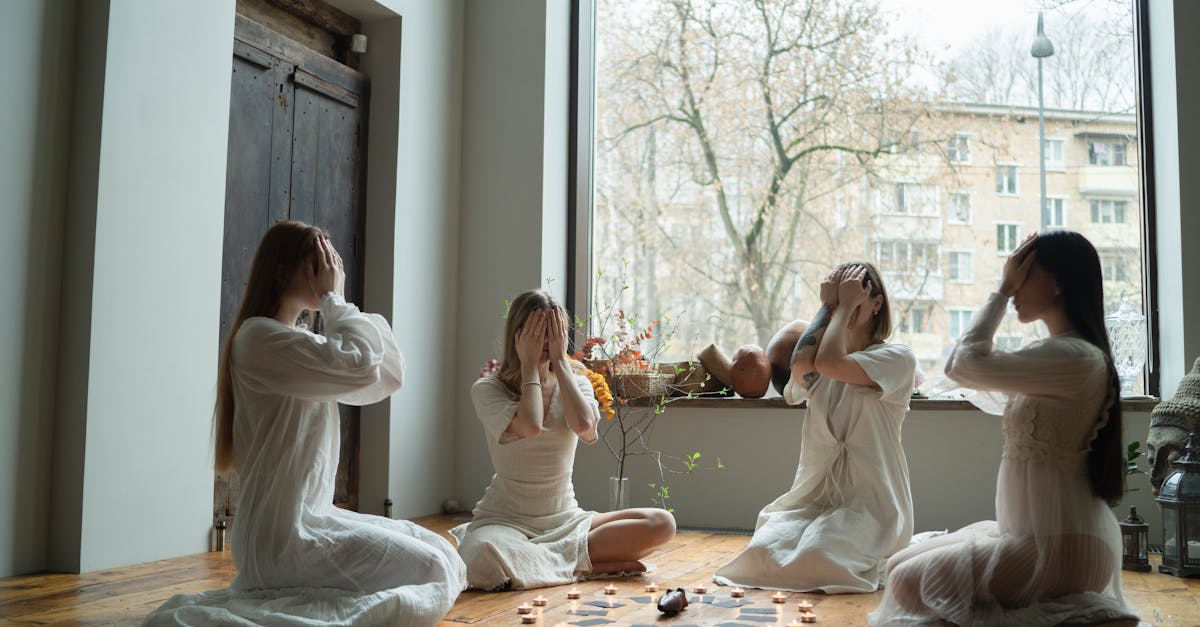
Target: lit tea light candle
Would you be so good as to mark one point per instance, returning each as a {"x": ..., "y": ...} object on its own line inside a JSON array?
[
  {"x": 795, "y": 623},
  {"x": 539, "y": 601},
  {"x": 574, "y": 593},
  {"x": 529, "y": 619},
  {"x": 610, "y": 589},
  {"x": 779, "y": 597},
  {"x": 524, "y": 608},
  {"x": 808, "y": 617},
  {"x": 651, "y": 587},
  {"x": 804, "y": 606},
  {"x": 700, "y": 588},
  {"x": 737, "y": 593}
]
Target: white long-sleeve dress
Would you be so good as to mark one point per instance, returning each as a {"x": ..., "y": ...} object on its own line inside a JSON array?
[
  {"x": 850, "y": 507},
  {"x": 528, "y": 530},
  {"x": 300, "y": 559},
  {"x": 1053, "y": 553}
]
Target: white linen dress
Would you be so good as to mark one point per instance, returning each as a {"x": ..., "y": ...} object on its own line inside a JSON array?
[
  {"x": 1053, "y": 553},
  {"x": 528, "y": 530},
  {"x": 850, "y": 507},
  {"x": 300, "y": 560}
]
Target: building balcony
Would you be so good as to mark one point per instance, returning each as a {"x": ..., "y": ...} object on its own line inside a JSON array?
[{"x": 1108, "y": 180}]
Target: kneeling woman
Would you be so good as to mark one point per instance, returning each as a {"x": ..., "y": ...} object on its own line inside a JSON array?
[
  {"x": 528, "y": 529},
  {"x": 850, "y": 507},
  {"x": 300, "y": 560}
]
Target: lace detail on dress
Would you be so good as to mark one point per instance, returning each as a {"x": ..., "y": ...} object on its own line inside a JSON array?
[{"x": 1043, "y": 453}]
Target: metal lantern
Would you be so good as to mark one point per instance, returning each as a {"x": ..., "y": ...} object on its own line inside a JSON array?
[
  {"x": 1179, "y": 498},
  {"x": 1127, "y": 332},
  {"x": 1135, "y": 538}
]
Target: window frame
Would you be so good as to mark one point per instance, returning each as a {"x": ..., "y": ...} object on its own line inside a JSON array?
[
  {"x": 1061, "y": 164},
  {"x": 1016, "y": 180},
  {"x": 970, "y": 278},
  {"x": 1016, "y": 238},
  {"x": 1063, "y": 223},
  {"x": 950, "y": 217},
  {"x": 580, "y": 169},
  {"x": 952, "y": 157}
]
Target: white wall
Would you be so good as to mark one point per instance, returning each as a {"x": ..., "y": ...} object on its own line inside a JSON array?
[
  {"x": 414, "y": 60},
  {"x": 1175, "y": 81},
  {"x": 136, "y": 398},
  {"x": 513, "y": 221},
  {"x": 35, "y": 126},
  {"x": 953, "y": 457}
]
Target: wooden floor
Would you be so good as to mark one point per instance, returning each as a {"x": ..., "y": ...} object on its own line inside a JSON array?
[{"x": 123, "y": 596}]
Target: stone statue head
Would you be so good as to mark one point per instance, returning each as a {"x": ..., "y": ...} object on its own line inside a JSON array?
[{"x": 1170, "y": 423}]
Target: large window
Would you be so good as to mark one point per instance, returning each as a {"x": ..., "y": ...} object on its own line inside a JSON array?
[{"x": 742, "y": 150}]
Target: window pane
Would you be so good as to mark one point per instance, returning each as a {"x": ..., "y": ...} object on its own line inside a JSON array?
[{"x": 741, "y": 154}]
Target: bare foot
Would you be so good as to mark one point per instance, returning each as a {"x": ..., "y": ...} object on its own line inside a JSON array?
[{"x": 608, "y": 568}]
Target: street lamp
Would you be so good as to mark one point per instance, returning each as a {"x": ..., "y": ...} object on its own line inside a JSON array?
[{"x": 1041, "y": 49}]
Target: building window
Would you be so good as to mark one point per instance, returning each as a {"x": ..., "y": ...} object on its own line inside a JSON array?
[
  {"x": 898, "y": 256},
  {"x": 1108, "y": 211},
  {"x": 960, "y": 266},
  {"x": 912, "y": 199},
  {"x": 914, "y": 318},
  {"x": 1054, "y": 214},
  {"x": 1006, "y": 180},
  {"x": 960, "y": 321},
  {"x": 1054, "y": 155},
  {"x": 958, "y": 210},
  {"x": 1106, "y": 153},
  {"x": 1006, "y": 238},
  {"x": 958, "y": 150},
  {"x": 1112, "y": 267}
]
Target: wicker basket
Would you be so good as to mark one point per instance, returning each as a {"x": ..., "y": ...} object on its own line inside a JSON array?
[{"x": 641, "y": 385}]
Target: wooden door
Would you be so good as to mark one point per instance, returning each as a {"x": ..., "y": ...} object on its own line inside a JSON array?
[{"x": 297, "y": 150}]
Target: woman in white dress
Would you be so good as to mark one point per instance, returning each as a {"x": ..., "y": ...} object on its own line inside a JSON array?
[
  {"x": 849, "y": 507},
  {"x": 1053, "y": 553},
  {"x": 299, "y": 558},
  {"x": 528, "y": 530}
]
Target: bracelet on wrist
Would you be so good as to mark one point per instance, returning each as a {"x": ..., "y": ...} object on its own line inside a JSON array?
[{"x": 537, "y": 383}]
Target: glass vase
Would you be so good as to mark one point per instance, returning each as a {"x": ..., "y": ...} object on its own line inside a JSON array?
[
  {"x": 1127, "y": 335},
  {"x": 618, "y": 493}
]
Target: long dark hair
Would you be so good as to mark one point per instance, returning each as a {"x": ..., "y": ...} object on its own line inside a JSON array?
[
  {"x": 285, "y": 246},
  {"x": 1073, "y": 261}
]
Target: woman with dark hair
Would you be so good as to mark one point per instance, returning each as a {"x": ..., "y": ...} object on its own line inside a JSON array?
[
  {"x": 1053, "y": 553},
  {"x": 300, "y": 559},
  {"x": 528, "y": 531},
  {"x": 849, "y": 508}
]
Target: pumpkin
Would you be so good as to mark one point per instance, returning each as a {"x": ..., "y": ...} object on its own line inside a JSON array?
[{"x": 751, "y": 371}]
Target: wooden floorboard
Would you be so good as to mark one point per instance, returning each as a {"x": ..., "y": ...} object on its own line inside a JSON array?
[{"x": 123, "y": 596}]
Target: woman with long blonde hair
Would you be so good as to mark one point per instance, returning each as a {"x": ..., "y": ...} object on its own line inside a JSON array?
[
  {"x": 528, "y": 530},
  {"x": 298, "y": 557},
  {"x": 850, "y": 507}
]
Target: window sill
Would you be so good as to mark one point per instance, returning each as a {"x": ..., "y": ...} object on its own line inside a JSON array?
[{"x": 917, "y": 404}]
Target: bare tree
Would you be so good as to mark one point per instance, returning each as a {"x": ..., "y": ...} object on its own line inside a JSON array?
[
  {"x": 766, "y": 118},
  {"x": 1091, "y": 70}
]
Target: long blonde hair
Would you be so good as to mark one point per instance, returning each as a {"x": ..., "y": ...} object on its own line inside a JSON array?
[
  {"x": 518, "y": 312},
  {"x": 283, "y": 248}
]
